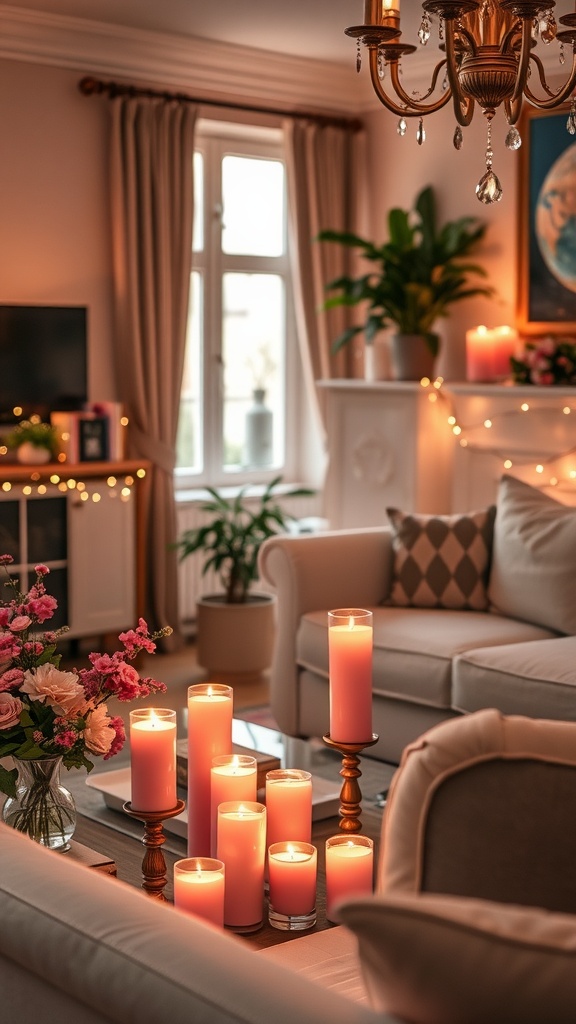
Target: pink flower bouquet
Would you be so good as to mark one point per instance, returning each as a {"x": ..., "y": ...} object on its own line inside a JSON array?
[
  {"x": 46, "y": 712},
  {"x": 545, "y": 362}
]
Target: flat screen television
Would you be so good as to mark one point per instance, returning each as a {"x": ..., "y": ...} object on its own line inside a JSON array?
[{"x": 43, "y": 359}]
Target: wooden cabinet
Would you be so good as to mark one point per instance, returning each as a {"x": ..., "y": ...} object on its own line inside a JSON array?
[{"x": 84, "y": 522}]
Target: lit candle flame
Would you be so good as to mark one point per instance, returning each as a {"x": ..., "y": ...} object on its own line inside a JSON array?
[
  {"x": 351, "y": 622},
  {"x": 153, "y": 718},
  {"x": 291, "y": 851}
]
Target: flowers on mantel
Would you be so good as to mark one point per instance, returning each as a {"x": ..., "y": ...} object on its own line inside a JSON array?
[
  {"x": 546, "y": 362},
  {"x": 47, "y": 712}
]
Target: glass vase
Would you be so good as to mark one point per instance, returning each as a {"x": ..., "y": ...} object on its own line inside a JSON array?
[{"x": 42, "y": 808}]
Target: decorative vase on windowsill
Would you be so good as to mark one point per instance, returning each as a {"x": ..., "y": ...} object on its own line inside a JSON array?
[{"x": 50, "y": 718}]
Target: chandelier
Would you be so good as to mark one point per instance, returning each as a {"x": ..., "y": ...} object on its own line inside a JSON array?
[{"x": 489, "y": 60}]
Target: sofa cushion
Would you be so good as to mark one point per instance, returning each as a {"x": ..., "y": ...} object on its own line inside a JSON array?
[
  {"x": 414, "y": 648},
  {"x": 454, "y": 960},
  {"x": 441, "y": 561},
  {"x": 535, "y": 678},
  {"x": 533, "y": 566}
]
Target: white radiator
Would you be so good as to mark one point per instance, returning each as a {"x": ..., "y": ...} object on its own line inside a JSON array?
[{"x": 191, "y": 583}]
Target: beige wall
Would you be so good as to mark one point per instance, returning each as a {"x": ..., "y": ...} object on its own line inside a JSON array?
[
  {"x": 54, "y": 210},
  {"x": 53, "y": 202},
  {"x": 399, "y": 168}
]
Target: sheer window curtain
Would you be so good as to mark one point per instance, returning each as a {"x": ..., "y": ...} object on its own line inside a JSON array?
[
  {"x": 323, "y": 170},
  {"x": 152, "y": 209}
]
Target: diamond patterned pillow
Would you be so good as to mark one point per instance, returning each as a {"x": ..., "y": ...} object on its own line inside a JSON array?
[{"x": 441, "y": 561}]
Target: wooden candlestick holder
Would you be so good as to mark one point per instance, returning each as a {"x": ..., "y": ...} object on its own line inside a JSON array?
[
  {"x": 153, "y": 864},
  {"x": 350, "y": 794}
]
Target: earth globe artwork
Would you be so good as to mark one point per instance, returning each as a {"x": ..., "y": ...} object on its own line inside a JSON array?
[{"x": 555, "y": 219}]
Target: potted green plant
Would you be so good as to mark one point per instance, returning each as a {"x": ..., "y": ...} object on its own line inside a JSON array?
[
  {"x": 417, "y": 275},
  {"x": 236, "y": 626},
  {"x": 34, "y": 442}
]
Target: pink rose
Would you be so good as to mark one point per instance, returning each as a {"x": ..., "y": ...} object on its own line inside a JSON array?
[
  {"x": 43, "y": 608},
  {"x": 20, "y": 623},
  {"x": 58, "y": 689},
  {"x": 99, "y": 733},
  {"x": 10, "y": 710},
  {"x": 11, "y": 679}
]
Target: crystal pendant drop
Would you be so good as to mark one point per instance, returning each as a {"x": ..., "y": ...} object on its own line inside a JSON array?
[
  {"x": 513, "y": 139},
  {"x": 424, "y": 31},
  {"x": 420, "y": 133},
  {"x": 358, "y": 56},
  {"x": 548, "y": 29},
  {"x": 562, "y": 55},
  {"x": 381, "y": 65},
  {"x": 489, "y": 189},
  {"x": 402, "y": 127},
  {"x": 571, "y": 122},
  {"x": 441, "y": 30},
  {"x": 458, "y": 137}
]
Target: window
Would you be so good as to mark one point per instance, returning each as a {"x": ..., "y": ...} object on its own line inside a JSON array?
[{"x": 241, "y": 357}]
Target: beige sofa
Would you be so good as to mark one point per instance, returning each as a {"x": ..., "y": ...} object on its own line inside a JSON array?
[
  {"x": 508, "y": 642},
  {"x": 83, "y": 947}
]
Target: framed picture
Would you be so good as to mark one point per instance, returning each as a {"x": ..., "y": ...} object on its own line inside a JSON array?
[
  {"x": 547, "y": 224},
  {"x": 93, "y": 439}
]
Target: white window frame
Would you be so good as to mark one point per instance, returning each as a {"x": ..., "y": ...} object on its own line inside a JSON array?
[{"x": 216, "y": 139}]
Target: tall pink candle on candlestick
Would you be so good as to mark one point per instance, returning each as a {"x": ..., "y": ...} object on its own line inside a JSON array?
[
  {"x": 349, "y": 869},
  {"x": 350, "y": 669},
  {"x": 199, "y": 888},
  {"x": 233, "y": 777},
  {"x": 288, "y": 805},
  {"x": 153, "y": 759},
  {"x": 242, "y": 847},
  {"x": 209, "y": 735}
]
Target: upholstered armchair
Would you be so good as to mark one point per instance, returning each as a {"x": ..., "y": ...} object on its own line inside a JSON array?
[{"x": 475, "y": 914}]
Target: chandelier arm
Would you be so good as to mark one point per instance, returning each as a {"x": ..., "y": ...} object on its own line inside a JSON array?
[
  {"x": 410, "y": 108},
  {"x": 555, "y": 98},
  {"x": 463, "y": 105},
  {"x": 524, "y": 62},
  {"x": 513, "y": 110}
]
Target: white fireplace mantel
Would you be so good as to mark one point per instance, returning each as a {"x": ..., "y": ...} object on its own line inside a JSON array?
[{"x": 393, "y": 444}]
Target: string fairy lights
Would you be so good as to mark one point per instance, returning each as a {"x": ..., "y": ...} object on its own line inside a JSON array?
[{"x": 550, "y": 468}]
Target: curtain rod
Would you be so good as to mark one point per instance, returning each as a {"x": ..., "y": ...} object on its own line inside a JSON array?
[{"x": 94, "y": 86}]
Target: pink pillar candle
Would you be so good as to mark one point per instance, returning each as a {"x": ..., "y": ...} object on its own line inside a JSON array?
[
  {"x": 349, "y": 869},
  {"x": 199, "y": 888},
  {"x": 241, "y": 845},
  {"x": 292, "y": 874},
  {"x": 153, "y": 759},
  {"x": 350, "y": 670},
  {"x": 233, "y": 777},
  {"x": 209, "y": 735},
  {"x": 288, "y": 805}
]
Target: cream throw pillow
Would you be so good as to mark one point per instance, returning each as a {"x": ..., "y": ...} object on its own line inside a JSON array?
[
  {"x": 441, "y": 561},
  {"x": 533, "y": 574},
  {"x": 433, "y": 959}
]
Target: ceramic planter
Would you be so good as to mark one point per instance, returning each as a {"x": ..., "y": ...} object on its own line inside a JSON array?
[
  {"x": 236, "y": 638},
  {"x": 411, "y": 357}
]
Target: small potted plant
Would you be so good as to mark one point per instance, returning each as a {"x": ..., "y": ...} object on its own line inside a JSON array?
[
  {"x": 416, "y": 276},
  {"x": 236, "y": 626},
  {"x": 35, "y": 442}
]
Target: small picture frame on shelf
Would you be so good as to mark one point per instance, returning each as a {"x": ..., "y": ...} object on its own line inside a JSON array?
[{"x": 93, "y": 438}]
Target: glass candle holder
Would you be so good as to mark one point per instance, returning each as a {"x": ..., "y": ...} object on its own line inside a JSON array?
[
  {"x": 292, "y": 876},
  {"x": 241, "y": 845},
  {"x": 233, "y": 777},
  {"x": 153, "y": 759},
  {"x": 349, "y": 869},
  {"x": 350, "y": 672},
  {"x": 199, "y": 888},
  {"x": 288, "y": 805}
]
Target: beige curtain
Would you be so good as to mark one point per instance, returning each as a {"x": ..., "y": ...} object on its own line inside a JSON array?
[
  {"x": 323, "y": 163},
  {"x": 152, "y": 208}
]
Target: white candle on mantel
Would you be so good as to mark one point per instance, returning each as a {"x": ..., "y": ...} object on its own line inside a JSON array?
[
  {"x": 153, "y": 759},
  {"x": 488, "y": 352}
]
